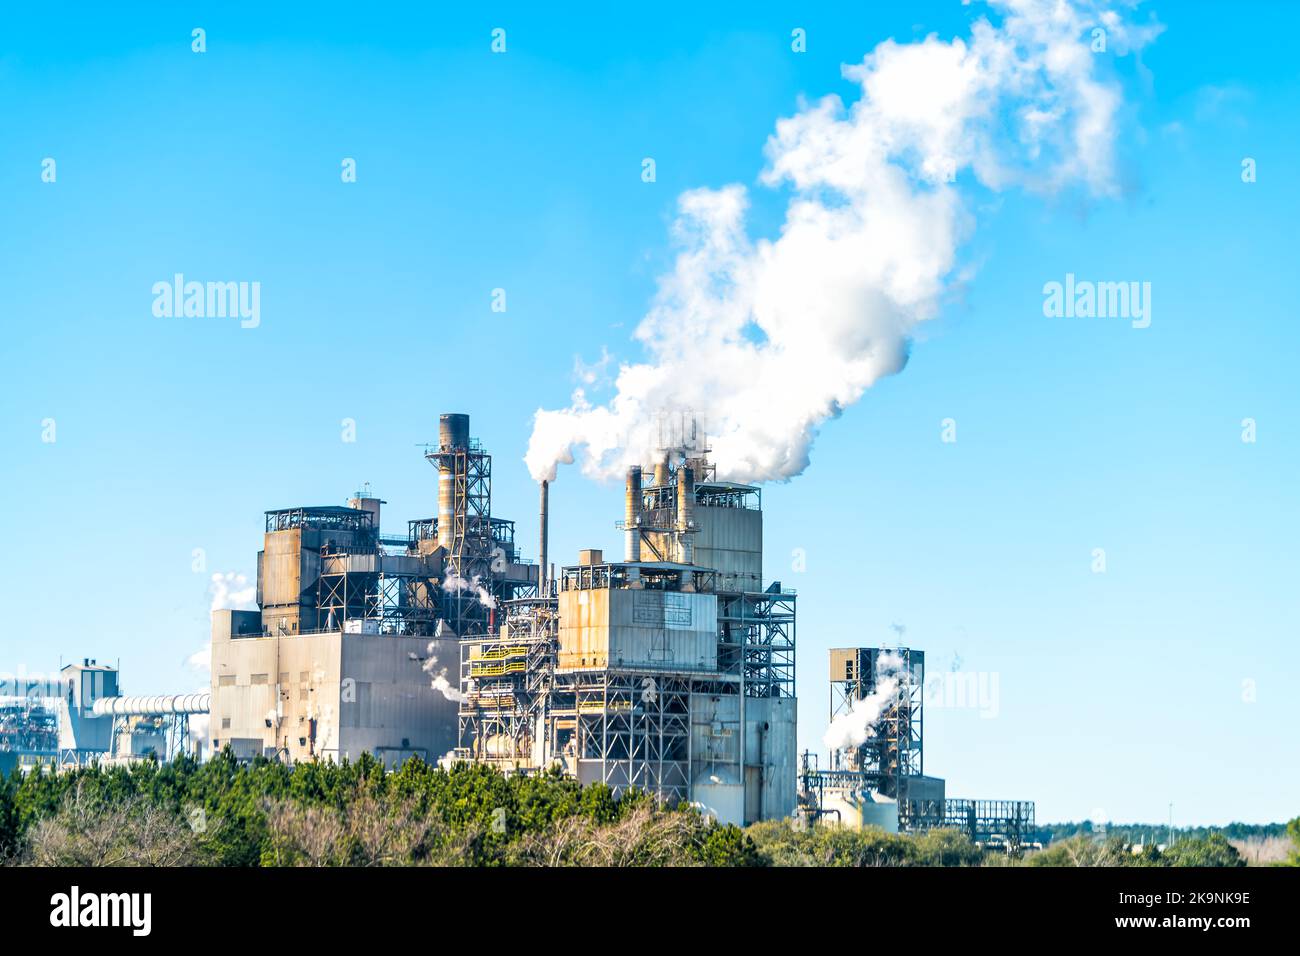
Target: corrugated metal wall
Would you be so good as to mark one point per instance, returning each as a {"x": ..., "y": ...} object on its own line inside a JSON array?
[{"x": 632, "y": 627}]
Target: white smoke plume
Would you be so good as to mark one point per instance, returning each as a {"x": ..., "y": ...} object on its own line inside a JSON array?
[
  {"x": 765, "y": 339},
  {"x": 200, "y": 660},
  {"x": 443, "y": 686},
  {"x": 228, "y": 590},
  {"x": 440, "y": 682},
  {"x": 199, "y": 728},
  {"x": 454, "y": 582},
  {"x": 853, "y": 727},
  {"x": 232, "y": 590}
]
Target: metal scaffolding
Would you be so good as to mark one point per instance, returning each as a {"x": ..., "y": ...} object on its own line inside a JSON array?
[
  {"x": 633, "y": 728},
  {"x": 394, "y": 592},
  {"x": 506, "y": 680},
  {"x": 893, "y": 749},
  {"x": 1002, "y": 823},
  {"x": 758, "y": 629}
]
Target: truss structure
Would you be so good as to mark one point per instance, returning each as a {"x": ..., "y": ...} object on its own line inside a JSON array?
[
  {"x": 756, "y": 637},
  {"x": 473, "y": 544},
  {"x": 506, "y": 680},
  {"x": 632, "y": 729},
  {"x": 361, "y": 584},
  {"x": 893, "y": 748},
  {"x": 1003, "y": 823}
]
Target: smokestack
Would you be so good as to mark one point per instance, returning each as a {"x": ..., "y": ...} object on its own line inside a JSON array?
[
  {"x": 544, "y": 527},
  {"x": 686, "y": 512},
  {"x": 453, "y": 431},
  {"x": 632, "y": 515},
  {"x": 661, "y": 472},
  {"x": 453, "y": 436}
]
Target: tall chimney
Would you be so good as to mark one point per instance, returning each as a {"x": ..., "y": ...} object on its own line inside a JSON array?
[
  {"x": 686, "y": 512},
  {"x": 453, "y": 436},
  {"x": 541, "y": 559},
  {"x": 632, "y": 515}
]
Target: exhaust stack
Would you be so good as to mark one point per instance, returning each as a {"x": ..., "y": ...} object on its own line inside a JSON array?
[
  {"x": 542, "y": 587},
  {"x": 661, "y": 471},
  {"x": 453, "y": 436},
  {"x": 686, "y": 512},
  {"x": 632, "y": 515}
]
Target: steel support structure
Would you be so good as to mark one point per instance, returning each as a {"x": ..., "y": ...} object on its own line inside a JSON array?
[
  {"x": 355, "y": 584},
  {"x": 893, "y": 749},
  {"x": 756, "y": 634},
  {"x": 633, "y": 729},
  {"x": 474, "y": 548},
  {"x": 1002, "y": 823},
  {"x": 174, "y": 728},
  {"x": 506, "y": 679}
]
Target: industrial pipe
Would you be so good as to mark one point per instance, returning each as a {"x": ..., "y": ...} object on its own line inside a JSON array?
[{"x": 149, "y": 706}]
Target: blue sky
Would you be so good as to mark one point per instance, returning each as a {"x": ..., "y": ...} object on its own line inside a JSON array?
[{"x": 1118, "y": 692}]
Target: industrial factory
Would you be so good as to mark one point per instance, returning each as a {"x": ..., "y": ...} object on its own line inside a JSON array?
[
  {"x": 79, "y": 717},
  {"x": 877, "y": 772},
  {"x": 670, "y": 670}
]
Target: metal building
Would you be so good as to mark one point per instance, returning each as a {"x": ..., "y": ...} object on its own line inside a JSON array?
[
  {"x": 354, "y": 647},
  {"x": 671, "y": 671},
  {"x": 78, "y": 719},
  {"x": 877, "y": 778}
]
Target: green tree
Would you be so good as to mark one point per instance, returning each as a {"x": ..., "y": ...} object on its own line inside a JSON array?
[
  {"x": 728, "y": 846},
  {"x": 1212, "y": 850},
  {"x": 946, "y": 848},
  {"x": 1293, "y": 831}
]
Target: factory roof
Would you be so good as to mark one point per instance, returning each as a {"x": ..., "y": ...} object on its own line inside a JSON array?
[{"x": 724, "y": 486}]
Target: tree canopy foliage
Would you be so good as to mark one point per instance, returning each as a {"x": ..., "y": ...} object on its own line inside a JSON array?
[{"x": 264, "y": 813}]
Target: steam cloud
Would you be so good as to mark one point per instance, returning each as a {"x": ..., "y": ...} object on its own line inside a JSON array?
[
  {"x": 226, "y": 590},
  {"x": 232, "y": 590},
  {"x": 853, "y": 727},
  {"x": 766, "y": 339},
  {"x": 454, "y": 582},
  {"x": 440, "y": 682}
]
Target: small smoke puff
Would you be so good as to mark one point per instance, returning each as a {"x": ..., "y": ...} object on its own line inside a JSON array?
[
  {"x": 443, "y": 686},
  {"x": 199, "y": 728},
  {"x": 233, "y": 591},
  {"x": 454, "y": 582},
  {"x": 200, "y": 660}
]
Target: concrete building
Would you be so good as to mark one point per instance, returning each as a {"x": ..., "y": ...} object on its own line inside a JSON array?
[
  {"x": 330, "y": 695},
  {"x": 671, "y": 671}
]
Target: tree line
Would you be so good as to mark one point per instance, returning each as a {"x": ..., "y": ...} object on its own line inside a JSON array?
[{"x": 225, "y": 812}]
